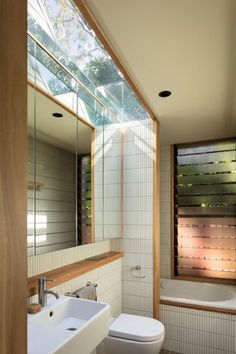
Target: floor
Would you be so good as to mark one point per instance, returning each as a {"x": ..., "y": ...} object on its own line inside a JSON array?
[{"x": 167, "y": 352}]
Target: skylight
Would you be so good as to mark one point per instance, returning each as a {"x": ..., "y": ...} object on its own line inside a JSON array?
[{"x": 60, "y": 27}]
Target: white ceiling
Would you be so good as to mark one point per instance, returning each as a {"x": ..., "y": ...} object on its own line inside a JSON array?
[
  {"x": 186, "y": 46},
  {"x": 60, "y": 132}
]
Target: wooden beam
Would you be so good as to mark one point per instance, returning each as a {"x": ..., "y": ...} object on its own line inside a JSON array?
[
  {"x": 13, "y": 181},
  {"x": 156, "y": 219},
  {"x": 172, "y": 210}
]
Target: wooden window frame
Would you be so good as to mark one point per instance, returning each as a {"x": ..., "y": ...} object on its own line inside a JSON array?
[{"x": 172, "y": 219}]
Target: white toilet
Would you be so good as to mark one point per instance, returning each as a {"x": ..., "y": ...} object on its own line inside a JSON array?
[{"x": 129, "y": 334}]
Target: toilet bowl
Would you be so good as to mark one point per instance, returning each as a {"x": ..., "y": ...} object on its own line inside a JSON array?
[{"x": 129, "y": 334}]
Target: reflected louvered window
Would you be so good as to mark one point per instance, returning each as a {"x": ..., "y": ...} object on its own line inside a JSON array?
[
  {"x": 205, "y": 210},
  {"x": 84, "y": 200}
]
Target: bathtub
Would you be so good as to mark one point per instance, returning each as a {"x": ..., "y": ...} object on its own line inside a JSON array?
[{"x": 221, "y": 298}]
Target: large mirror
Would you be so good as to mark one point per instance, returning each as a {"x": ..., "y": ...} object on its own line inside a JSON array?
[
  {"x": 74, "y": 161},
  {"x": 59, "y": 176}
]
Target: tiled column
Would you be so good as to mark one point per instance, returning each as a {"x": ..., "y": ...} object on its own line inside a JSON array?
[{"x": 138, "y": 217}]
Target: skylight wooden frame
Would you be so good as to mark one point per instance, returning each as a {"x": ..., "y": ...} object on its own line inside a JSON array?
[{"x": 90, "y": 18}]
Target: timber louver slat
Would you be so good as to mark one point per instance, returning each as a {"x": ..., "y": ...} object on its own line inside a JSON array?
[
  {"x": 229, "y": 188},
  {"x": 208, "y": 168},
  {"x": 205, "y": 210}
]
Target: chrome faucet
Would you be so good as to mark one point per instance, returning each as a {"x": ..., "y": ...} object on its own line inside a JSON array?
[{"x": 43, "y": 291}]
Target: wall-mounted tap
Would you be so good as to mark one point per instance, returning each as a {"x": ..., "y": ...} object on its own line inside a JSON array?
[{"x": 43, "y": 291}]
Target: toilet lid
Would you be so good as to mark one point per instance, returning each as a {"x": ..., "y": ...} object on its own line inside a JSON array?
[{"x": 142, "y": 329}]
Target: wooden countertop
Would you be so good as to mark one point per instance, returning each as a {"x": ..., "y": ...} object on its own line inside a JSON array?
[{"x": 74, "y": 270}]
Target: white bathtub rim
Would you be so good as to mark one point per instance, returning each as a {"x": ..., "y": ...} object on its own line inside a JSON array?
[{"x": 228, "y": 304}]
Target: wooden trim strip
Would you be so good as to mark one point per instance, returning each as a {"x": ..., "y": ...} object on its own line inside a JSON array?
[
  {"x": 172, "y": 211},
  {"x": 71, "y": 271},
  {"x": 90, "y": 18},
  {"x": 198, "y": 307},
  {"x": 122, "y": 181},
  {"x": 13, "y": 177},
  {"x": 204, "y": 142},
  {"x": 156, "y": 219}
]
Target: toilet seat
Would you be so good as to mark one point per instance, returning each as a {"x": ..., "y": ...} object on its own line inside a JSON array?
[{"x": 136, "y": 328}]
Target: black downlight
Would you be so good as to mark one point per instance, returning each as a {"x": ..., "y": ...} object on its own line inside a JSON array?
[
  {"x": 164, "y": 93},
  {"x": 57, "y": 115}
]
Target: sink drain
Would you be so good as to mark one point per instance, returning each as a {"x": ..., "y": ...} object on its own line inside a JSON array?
[{"x": 71, "y": 329}]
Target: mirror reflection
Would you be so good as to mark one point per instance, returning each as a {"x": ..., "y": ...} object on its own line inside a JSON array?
[{"x": 59, "y": 176}]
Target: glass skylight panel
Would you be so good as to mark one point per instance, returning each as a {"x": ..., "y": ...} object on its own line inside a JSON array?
[{"x": 61, "y": 28}]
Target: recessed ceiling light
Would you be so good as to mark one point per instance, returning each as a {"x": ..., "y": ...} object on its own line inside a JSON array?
[
  {"x": 57, "y": 115},
  {"x": 164, "y": 93}
]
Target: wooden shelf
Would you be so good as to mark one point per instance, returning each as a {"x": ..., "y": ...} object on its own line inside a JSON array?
[{"x": 74, "y": 270}]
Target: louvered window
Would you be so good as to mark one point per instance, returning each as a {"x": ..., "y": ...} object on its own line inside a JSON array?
[{"x": 205, "y": 210}]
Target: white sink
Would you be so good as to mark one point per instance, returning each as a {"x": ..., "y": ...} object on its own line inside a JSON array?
[{"x": 69, "y": 326}]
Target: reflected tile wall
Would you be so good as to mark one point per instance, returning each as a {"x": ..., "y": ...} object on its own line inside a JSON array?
[
  {"x": 108, "y": 181},
  {"x": 48, "y": 261}
]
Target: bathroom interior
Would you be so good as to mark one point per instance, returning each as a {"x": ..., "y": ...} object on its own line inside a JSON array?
[{"x": 118, "y": 177}]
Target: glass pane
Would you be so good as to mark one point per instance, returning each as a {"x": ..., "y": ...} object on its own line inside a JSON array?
[{"x": 63, "y": 30}]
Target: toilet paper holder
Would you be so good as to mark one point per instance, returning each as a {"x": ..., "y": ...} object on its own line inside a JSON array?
[{"x": 133, "y": 269}]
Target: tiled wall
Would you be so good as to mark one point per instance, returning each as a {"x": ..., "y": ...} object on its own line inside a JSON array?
[
  {"x": 48, "y": 261},
  {"x": 190, "y": 331},
  {"x": 165, "y": 212},
  {"x": 108, "y": 181},
  {"x": 138, "y": 213},
  {"x": 107, "y": 277}
]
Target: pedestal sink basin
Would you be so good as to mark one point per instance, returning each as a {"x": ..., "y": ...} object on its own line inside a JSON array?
[{"x": 68, "y": 326}]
